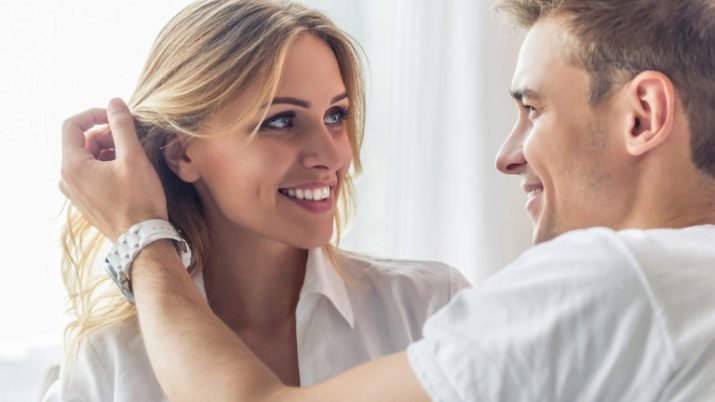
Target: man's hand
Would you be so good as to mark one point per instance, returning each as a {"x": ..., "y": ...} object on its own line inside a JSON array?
[{"x": 105, "y": 172}]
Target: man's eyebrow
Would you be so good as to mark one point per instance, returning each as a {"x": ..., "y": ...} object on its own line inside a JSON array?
[
  {"x": 519, "y": 94},
  {"x": 304, "y": 103}
]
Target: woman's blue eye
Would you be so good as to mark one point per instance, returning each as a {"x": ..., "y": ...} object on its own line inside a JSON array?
[
  {"x": 280, "y": 122},
  {"x": 336, "y": 117}
]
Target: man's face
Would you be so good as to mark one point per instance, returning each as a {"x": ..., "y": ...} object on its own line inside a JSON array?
[{"x": 559, "y": 145}]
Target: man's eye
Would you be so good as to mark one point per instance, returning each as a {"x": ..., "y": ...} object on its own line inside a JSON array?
[
  {"x": 531, "y": 111},
  {"x": 336, "y": 117},
  {"x": 280, "y": 122}
]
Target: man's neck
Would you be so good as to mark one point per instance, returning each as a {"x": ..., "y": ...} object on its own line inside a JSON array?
[{"x": 673, "y": 197}]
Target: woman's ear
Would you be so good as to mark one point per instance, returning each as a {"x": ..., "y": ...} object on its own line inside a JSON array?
[
  {"x": 652, "y": 100},
  {"x": 179, "y": 161}
]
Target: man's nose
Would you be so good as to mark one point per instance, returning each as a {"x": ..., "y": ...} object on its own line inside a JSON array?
[{"x": 510, "y": 158}]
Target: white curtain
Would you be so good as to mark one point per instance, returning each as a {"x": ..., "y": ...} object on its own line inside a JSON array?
[{"x": 438, "y": 109}]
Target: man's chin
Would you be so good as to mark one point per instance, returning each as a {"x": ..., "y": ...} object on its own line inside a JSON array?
[{"x": 544, "y": 230}]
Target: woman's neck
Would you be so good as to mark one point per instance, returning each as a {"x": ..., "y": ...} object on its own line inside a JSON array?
[{"x": 253, "y": 282}]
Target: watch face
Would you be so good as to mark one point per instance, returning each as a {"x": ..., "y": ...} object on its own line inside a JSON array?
[{"x": 120, "y": 278}]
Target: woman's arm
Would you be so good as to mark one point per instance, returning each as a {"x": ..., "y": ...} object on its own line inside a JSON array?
[{"x": 195, "y": 356}]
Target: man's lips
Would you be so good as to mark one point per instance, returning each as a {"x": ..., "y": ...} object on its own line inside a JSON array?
[
  {"x": 533, "y": 190},
  {"x": 533, "y": 187}
]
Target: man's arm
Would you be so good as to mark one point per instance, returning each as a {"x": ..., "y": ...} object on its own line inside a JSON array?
[{"x": 197, "y": 358}]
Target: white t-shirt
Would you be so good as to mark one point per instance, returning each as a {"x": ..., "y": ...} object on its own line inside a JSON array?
[
  {"x": 594, "y": 315},
  {"x": 378, "y": 307}
]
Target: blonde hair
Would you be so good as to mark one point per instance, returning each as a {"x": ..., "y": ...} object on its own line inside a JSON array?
[{"x": 205, "y": 56}]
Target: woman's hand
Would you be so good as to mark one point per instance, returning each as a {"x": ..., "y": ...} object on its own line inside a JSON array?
[{"x": 105, "y": 172}]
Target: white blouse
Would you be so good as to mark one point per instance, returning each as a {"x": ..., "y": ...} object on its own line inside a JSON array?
[{"x": 377, "y": 307}]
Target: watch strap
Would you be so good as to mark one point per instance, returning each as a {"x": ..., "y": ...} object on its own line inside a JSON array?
[{"x": 118, "y": 262}]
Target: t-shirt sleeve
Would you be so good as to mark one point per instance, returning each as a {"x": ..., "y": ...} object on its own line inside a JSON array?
[{"x": 571, "y": 319}]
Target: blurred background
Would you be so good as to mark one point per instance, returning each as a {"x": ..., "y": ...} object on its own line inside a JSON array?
[{"x": 438, "y": 109}]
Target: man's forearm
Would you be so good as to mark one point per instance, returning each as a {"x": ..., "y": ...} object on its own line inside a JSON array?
[{"x": 186, "y": 342}]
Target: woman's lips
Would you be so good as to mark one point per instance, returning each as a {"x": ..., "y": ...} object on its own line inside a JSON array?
[
  {"x": 314, "y": 199},
  {"x": 317, "y": 207}
]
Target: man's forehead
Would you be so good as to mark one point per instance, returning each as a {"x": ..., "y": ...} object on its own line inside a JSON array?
[{"x": 545, "y": 50}]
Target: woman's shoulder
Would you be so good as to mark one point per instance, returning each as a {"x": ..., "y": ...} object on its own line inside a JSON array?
[
  {"x": 122, "y": 336},
  {"x": 106, "y": 357},
  {"x": 425, "y": 277},
  {"x": 112, "y": 347}
]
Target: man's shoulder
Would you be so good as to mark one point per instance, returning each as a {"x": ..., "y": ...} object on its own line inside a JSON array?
[
  {"x": 620, "y": 310},
  {"x": 576, "y": 305},
  {"x": 595, "y": 251},
  {"x": 609, "y": 251},
  {"x": 582, "y": 273}
]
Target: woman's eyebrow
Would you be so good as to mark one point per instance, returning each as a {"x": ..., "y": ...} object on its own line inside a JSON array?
[
  {"x": 339, "y": 97},
  {"x": 291, "y": 101},
  {"x": 304, "y": 103}
]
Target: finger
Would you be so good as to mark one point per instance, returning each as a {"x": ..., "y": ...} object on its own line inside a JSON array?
[
  {"x": 122, "y": 124},
  {"x": 73, "y": 128},
  {"x": 106, "y": 154},
  {"x": 63, "y": 188},
  {"x": 98, "y": 139}
]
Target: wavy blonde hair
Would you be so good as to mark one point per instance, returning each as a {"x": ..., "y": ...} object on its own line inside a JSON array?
[{"x": 205, "y": 56}]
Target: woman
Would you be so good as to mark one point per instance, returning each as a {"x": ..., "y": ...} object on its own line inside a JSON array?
[{"x": 252, "y": 114}]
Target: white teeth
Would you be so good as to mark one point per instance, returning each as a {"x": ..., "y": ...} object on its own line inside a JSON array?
[
  {"x": 316, "y": 194},
  {"x": 534, "y": 193}
]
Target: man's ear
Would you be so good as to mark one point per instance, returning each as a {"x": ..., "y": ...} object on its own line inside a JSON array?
[
  {"x": 651, "y": 97},
  {"x": 179, "y": 161}
]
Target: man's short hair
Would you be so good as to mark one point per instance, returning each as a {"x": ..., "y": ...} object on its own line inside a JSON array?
[{"x": 618, "y": 39}]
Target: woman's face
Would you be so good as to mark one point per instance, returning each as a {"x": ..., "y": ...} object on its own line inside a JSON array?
[{"x": 282, "y": 184}]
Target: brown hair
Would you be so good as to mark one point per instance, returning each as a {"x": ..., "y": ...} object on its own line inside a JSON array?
[{"x": 621, "y": 38}]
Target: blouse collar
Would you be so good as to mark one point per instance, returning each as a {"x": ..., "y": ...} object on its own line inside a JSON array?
[{"x": 321, "y": 277}]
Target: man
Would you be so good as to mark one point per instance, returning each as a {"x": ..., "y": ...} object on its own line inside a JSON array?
[{"x": 616, "y": 129}]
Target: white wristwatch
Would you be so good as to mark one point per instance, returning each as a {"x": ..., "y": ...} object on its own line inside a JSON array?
[{"x": 118, "y": 262}]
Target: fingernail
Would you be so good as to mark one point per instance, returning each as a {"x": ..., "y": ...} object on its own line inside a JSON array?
[{"x": 115, "y": 104}]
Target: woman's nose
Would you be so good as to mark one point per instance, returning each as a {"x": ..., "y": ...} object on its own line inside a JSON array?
[{"x": 326, "y": 150}]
